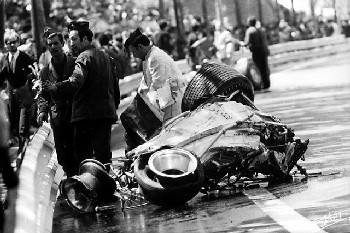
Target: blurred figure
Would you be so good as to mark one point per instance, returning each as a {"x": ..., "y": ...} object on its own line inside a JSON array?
[
  {"x": 9, "y": 177},
  {"x": 106, "y": 46},
  {"x": 95, "y": 86},
  {"x": 15, "y": 67},
  {"x": 226, "y": 44},
  {"x": 57, "y": 105},
  {"x": 29, "y": 48},
  {"x": 256, "y": 41},
  {"x": 45, "y": 57},
  {"x": 346, "y": 28},
  {"x": 163, "y": 40}
]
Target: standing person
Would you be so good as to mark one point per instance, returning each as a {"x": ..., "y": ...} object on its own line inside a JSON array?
[
  {"x": 57, "y": 105},
  {"x": 106, "y": 46},
  {"x": 15, "y": 68},
  {"x": 159, "y": 95},
  {"x": 163, "y": 40},
  {"x": 96, "y": 95},
  {"x": 256, "y": 41}
]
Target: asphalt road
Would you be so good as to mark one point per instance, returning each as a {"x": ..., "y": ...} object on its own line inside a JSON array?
[{"x": 313, "y": 98}]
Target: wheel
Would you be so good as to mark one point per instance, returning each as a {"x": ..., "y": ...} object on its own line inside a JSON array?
[
  {"x": 167, "y": 194},
  {"x": 254, "y": 75},
  {"x": 214, "y": 79}
]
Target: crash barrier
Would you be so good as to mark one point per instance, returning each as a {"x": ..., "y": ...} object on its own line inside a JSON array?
[
  {"x": 280, "y": 54},
  {"x": 39, "y": 176},
  {"x": 293, "y": 51}
]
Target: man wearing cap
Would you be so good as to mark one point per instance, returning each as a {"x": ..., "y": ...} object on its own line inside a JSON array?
[
  {"x": 15, "y": 68},
  {"x": 56, "y": 104},
  {"x": 162, "y": 85},
  {"x": 96, "y": 95}
]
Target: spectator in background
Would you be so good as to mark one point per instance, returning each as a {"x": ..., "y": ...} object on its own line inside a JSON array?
[
  {"x": 226, "y": 44},
  {"x": 9, "y": 177},
  {"x": 57, "y": 105},
  {"x": 106, "y": 46},
  {"x": 96, "y": 96},
  {"x": 15, "y": 68},
  {"x": 256, "y": 40},
  {"x": 346, "y": 27},
  {"x": 45, "y": 57},
  {"x": 163, "y": 39}
]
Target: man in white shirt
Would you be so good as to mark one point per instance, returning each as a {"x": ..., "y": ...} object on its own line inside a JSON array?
[{"x": 162, "y": 85}]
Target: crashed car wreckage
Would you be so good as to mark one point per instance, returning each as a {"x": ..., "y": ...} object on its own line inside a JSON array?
[{"x": 220, "y": 138}]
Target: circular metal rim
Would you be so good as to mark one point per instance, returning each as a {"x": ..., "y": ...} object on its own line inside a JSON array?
[{"x": 183, "y": 152}]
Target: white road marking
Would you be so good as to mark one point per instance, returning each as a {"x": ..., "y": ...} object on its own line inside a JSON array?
[{"x": 284, "y": 215}]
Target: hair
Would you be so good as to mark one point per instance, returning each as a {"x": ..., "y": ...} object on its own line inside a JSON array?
[
  {"x": 103, "y": 39},
  {"x": 163, "y": 24},
  {"x": 58, "y": 34},
  {"x": 143, "y": 40},
  {"x": 85, "y": 32},
  {"x": 252, "y": 21}
]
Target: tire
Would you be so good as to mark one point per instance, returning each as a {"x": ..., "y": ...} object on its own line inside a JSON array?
[
  {"x": 254, "y": 75},
  {"x": 214, "y": 79},
  {"x": 161, "y": 194}
]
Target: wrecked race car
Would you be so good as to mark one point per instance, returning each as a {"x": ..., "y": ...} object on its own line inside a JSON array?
[
  {"x": 219, "y": 139},
  {"x": 221, "y": 135}
]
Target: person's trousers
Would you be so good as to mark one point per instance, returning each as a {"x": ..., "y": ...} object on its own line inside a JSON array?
[
  {"x": 261, "y": 61},
  {"x": 64, "y": 138},
  {"x": 20, "y": 119},
  {"x": 92, "y": 139}
]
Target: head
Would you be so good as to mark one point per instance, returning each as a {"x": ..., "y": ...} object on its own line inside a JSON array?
[
  {"x": 11, "y": 39},
  {"x": 163, "y": 24},
  {"x": 55, "y": 43},
  {"x": 138, "y": 43},
  {"x": 252, "y": 21},
  {"x": 103, "y": 39},
  {"x": 80, "y": 36}
]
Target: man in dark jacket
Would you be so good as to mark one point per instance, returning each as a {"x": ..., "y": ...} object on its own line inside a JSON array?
[
  {"x": 58, "y": 106},
  {"x": 164, "y": 38},
  {"x": 256, "y": 41},
  {"x": 95, "y": 84},
  {"x": 14, "y": 67}
]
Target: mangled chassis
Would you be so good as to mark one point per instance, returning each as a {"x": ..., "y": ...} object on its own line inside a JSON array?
[{"x": 219, "y": 139}]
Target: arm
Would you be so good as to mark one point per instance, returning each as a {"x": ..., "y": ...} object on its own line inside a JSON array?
[
  {"x": 44, "y": 97},
  {"x": 75, "y": 81},
  {"x": 115, "y": 84}
]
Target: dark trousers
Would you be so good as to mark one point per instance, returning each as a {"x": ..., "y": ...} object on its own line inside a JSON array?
[
  {"x": 92, "y": 139},
  {"x": 20, "y": 119},
  {"x": 64, "y": 137},
  {"x": 260, "y": 59}
]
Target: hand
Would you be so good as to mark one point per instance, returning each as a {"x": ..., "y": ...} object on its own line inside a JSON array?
[
  {"x": 41, "y": 118},
  {"x": 35, "y": 69},
  {"x": 48, "y": 86}
]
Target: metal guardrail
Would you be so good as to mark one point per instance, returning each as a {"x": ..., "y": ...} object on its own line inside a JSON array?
[{"x": 39, "y": 176}]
